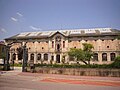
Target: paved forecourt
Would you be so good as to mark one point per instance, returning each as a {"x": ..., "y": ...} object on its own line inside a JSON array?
[{"x": 17, "y": 80}]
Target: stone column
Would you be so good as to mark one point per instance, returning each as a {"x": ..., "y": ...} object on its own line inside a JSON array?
[
  {"x": 54, "y": 58},
  {"x": 42, "y": 57},
  {"x": 108, "y": 57},
  {"x": 66, "y": 58},
  {"x": 100, "y": 57},
  {"x": 61, "y": 58},
  {"x": 10, "y": 57},
  {"x": 35, "y": 58},
  {"x": 49, "y": 57},
  {"x": 28, "y": 57},
  {"x": 16, "y": 57}
]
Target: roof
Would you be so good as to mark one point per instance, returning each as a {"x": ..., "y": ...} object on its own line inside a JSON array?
[
  {"x": 72, "y": 32},
  {"x": 2, "y": 43}
]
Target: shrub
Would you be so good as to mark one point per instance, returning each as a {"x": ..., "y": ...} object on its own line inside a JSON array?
[
  {"x": 17, "y": 65},
  {"x": 116, "y": 63}
]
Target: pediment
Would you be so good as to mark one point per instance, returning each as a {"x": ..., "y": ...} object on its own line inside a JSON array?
[{"x": 57, "y": 34}]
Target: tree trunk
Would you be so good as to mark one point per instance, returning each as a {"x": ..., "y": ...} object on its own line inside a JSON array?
[
  {"x": 89, "y": 62},
  {"x": 84, "y": 62}
]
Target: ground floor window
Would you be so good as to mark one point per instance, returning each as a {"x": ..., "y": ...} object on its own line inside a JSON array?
[
  {"x": 71, "y": 58},
  {"x": 95, "y": 57},
  {"x": 52, "y": 58},
  {"x": 20, "y": 56},
  {"x": 32, "y": 56},
  {"x": 45, "y": 56},
  {"x": 58, "y": 58},
  {"x": 112, "y": 56},
  {"x": 104, "y": 57},
  {"x": 14, "y": 56}
]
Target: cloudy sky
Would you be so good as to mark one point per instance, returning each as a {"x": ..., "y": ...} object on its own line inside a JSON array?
[{"x": 18, "y": 16}]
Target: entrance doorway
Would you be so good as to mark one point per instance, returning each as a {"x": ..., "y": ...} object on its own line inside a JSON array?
[{"x": 58, "y": 58}]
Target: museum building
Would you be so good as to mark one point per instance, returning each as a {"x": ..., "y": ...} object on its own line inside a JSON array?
[{"x": 53, "y": 46}]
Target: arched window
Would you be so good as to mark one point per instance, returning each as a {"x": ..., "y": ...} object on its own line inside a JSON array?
[
  {"x": 95, "y": 57},
  {"x": 32, "y": 56},
  {"x": 112, "y": 56},
  {"x": 39, "y": 56},
  {"x": 52, "y": 57},
  {"x": 14, "y": 56},
  {"x": 104, "y": 57},
  {"x": 20, "y": 53},
  {"x": 52, "y": 44},
  {"x": 63, "y": 44},
  {"x": 71, "y": 58},
  {"x": 45, "y": 56}
]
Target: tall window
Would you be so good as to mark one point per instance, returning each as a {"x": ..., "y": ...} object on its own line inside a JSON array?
[
  {"x": 52, "y": 44},
  {"x": 71, "y": 58},
  {"x": 32, "y": 56},
  {"x": 52, "y": 57},
  {"x": 39, "y": 56},
  {"x": 14, "y": 56},
  {"x": 95, "y": 57},
  {"x": 112, "y": 56},
  {"x": 45, "y": 56},
  {"x": 104, "y": 57},
  {"x": 63, "y": 44}
]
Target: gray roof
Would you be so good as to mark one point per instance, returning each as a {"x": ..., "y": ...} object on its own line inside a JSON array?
[{"x": 67, "y": 33}]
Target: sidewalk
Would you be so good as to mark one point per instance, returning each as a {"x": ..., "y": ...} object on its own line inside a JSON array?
[
  {"x": 56, "y": 76},
  {"x": 89, "y": 80},
  {"x": 16, "y": 71},
  {"x": 69, "y": 79}
]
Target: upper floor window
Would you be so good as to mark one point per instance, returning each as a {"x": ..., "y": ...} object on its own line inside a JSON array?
[
  {"x": 58, "y": 38},
  {"x": 63, "y": 44},
  {"x": 52, "y": 44}
]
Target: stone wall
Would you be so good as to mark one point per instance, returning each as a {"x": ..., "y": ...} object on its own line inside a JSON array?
[{"x": 80, "y": 72}]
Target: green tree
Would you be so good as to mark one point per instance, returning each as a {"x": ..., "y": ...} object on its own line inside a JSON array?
[
  {"x": 116, "y": 63},
  {"x": 82, "y": 55},
  {"x": 87, "y": 51}
]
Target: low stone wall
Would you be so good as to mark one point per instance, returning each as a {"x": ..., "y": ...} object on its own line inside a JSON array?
[{"x": 79, "y": 71}]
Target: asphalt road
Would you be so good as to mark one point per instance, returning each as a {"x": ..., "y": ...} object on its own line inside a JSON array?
[{"x": 15, "y": 80}]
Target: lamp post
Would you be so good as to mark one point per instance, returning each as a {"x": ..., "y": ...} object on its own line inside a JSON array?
[
  {"x": 6, "y": 61},
  {"x": 24, "y": 65}
]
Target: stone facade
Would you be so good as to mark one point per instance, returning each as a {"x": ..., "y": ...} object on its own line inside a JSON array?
[
  {"x": 52, "y": 46},
  {"x": 2, "y": 49}
]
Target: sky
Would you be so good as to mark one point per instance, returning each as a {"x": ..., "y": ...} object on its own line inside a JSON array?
[{"x": 18, "y": 16}]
